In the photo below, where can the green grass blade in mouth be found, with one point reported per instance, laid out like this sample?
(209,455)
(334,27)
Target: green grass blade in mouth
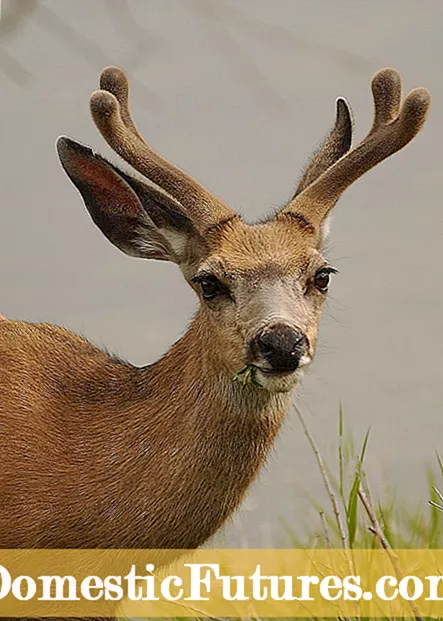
(245,375)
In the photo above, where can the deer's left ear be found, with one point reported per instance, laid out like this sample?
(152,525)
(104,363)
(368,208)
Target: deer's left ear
(336,144)
(140,219)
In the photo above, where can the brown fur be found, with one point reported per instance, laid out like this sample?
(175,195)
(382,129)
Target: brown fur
(116,456)
(97,453)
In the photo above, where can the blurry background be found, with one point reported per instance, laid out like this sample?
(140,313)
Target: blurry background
(239,94)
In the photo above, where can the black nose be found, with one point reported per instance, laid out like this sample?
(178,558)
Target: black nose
(281,347)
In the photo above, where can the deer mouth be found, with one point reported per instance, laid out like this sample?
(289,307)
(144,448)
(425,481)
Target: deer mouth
(276,372)
(276,380)
(251,373)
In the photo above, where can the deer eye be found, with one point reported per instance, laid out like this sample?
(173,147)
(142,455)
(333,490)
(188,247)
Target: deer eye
(323,277)
(210,286)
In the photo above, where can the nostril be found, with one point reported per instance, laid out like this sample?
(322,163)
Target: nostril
(301,342)
(266,342)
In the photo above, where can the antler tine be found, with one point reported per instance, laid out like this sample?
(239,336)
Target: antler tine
(393,128)
(115,81)
(110,111)
(386,91)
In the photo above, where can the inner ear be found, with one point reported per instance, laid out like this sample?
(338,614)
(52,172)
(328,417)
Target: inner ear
(325,229)
(163,209)
(171,220)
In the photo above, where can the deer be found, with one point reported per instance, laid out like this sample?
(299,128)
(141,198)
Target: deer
(98,453)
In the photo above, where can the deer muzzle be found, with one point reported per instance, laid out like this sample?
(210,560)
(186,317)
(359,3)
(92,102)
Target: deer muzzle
(279,349)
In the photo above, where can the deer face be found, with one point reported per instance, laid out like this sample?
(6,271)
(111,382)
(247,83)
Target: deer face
(261,290)
(261,287)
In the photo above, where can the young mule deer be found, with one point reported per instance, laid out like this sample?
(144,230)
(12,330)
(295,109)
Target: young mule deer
(98,453)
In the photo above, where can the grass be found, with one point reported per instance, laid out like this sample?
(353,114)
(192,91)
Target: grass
(353,519)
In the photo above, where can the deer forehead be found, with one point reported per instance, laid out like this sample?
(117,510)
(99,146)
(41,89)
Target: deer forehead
(269,249)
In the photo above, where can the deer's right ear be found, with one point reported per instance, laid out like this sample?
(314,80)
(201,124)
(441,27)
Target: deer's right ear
(140,219)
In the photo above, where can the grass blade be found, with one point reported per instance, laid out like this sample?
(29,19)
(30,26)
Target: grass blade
(340,452)
(351,511)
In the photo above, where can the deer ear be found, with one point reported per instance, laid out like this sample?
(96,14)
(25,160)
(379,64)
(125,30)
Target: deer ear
(140,219)
(334,146)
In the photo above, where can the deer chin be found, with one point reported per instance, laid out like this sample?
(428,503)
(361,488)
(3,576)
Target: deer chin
(277,382)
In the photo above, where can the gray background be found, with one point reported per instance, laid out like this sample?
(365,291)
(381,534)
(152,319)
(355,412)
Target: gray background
(239,93)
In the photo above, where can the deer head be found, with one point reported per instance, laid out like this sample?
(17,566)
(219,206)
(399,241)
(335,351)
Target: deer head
(261,286)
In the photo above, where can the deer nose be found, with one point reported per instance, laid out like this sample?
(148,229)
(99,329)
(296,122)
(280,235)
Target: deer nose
(282,347)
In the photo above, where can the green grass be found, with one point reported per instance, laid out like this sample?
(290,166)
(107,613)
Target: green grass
(353,518)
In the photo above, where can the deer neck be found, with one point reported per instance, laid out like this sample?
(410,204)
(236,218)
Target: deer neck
(215,434)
